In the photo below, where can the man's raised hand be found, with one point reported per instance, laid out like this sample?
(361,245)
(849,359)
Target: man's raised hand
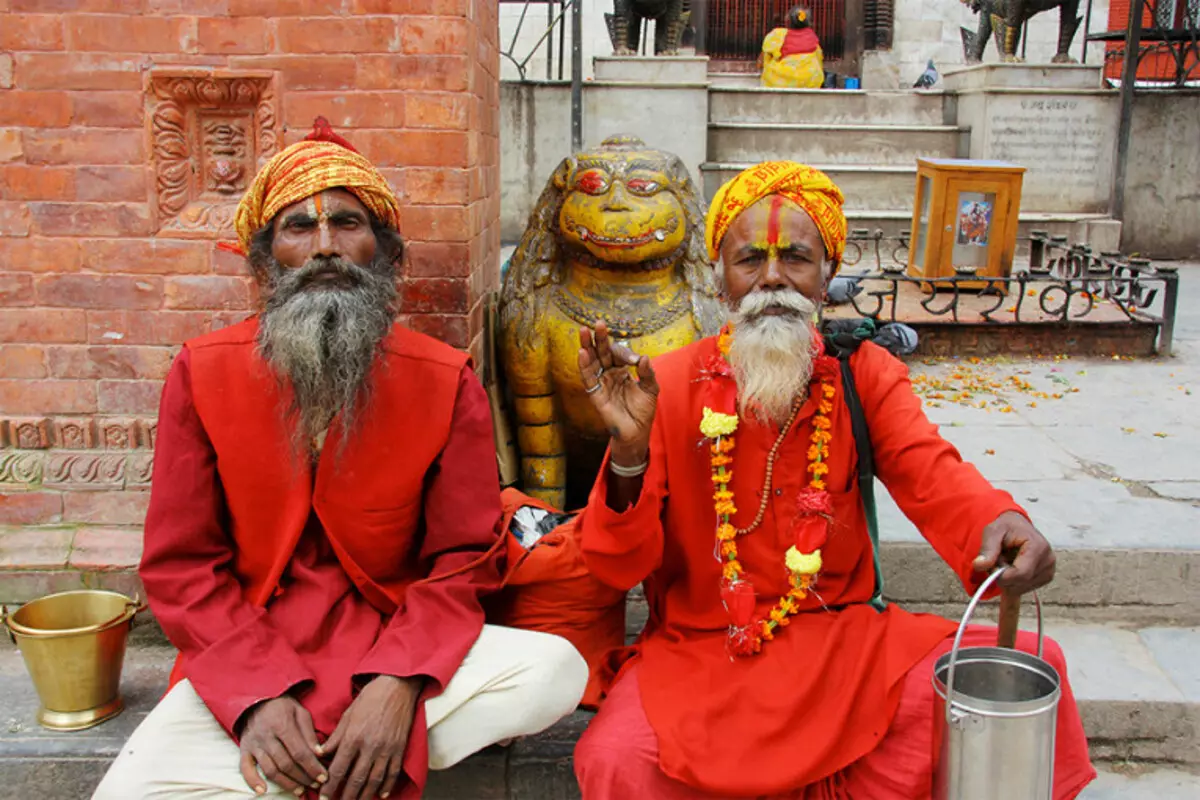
(625,405)
(279,739)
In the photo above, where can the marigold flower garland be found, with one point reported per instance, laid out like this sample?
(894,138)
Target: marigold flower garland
(813,507)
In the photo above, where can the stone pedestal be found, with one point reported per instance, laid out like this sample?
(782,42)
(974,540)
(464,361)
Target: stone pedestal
(1054,120)
(652,69)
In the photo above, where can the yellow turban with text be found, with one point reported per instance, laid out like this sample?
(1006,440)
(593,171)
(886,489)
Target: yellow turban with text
(808,188)
(323,160)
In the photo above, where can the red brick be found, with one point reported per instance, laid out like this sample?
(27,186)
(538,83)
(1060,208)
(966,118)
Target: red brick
(34,548)
(210,7)
(39,255)
(108,109)
(111,183)
(207,292)
(25,396)
(309,72)
(437,259)
(6,70)
(223,319)
(414,148)
(442,111)
(337,35)
(435,223)
(125,34)
(42,325)
(14,219)
(146,327)
(346,110)
(436,187)
(129,397)
(145,256)
(35,109)
(94,6)
(234,35)
(85,146)
(434,35)
(16,289)
(106,548)
(429,73)
(24,182)
(450,329)
(287,8)
(444,8)
(91,219)
(227,263)
(133,363)
(434,295)
(31,32)
(22,361)
(100,291)
(80,71)
(106,508)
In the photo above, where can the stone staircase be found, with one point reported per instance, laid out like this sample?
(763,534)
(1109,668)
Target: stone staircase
(868,142)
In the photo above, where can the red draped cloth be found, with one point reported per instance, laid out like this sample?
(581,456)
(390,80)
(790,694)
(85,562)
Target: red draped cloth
(826,690)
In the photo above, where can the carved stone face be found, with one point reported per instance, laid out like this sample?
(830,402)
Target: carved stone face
(620,206)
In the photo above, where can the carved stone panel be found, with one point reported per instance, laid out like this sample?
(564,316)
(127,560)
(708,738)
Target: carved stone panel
(211,132)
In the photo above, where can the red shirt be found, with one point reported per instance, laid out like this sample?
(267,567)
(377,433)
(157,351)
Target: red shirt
(319,633)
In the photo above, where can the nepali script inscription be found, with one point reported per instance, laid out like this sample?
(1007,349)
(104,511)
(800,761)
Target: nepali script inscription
(1064,144)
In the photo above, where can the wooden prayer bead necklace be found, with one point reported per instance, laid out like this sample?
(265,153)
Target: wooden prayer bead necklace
(771,456)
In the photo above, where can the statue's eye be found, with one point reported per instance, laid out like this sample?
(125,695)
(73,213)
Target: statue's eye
(591,183)
(642,186)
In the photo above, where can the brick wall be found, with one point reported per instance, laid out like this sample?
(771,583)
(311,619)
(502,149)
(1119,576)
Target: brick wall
(117,175)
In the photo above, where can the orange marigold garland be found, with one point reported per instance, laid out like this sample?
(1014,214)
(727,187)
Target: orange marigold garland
(813,509)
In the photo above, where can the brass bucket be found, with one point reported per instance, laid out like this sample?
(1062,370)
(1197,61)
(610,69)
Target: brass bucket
(73,644)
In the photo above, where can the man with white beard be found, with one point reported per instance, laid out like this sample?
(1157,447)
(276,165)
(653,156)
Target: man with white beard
(769,666)
(322,525)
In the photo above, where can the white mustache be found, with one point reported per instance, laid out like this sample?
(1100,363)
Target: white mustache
(756,302)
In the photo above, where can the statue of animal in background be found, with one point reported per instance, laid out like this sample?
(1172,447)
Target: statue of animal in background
(1005,18)
(625,25)
(617,235)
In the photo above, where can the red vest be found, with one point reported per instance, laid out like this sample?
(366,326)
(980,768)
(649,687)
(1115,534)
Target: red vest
(368,497)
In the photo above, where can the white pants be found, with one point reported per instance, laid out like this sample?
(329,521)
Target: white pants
(512,683)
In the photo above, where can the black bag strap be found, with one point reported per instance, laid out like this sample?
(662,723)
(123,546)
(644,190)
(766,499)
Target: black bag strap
(842,339)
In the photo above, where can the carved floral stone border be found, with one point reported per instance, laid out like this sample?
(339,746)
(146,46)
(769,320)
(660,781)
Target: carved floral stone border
(179,100)
(76,453)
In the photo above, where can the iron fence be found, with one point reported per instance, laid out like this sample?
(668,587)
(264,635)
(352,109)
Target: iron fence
(736,28)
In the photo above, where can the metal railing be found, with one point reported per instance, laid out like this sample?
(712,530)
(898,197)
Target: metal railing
(1166,43)
(556,22)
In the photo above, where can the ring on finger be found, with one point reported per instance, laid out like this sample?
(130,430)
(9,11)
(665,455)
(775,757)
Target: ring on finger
(594,387)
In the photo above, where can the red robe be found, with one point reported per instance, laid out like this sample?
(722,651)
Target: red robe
(823,692)
(332,612)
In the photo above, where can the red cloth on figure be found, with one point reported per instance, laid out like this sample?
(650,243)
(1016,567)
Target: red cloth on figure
(618,754)
(822,694)
(320,622)
(799,42)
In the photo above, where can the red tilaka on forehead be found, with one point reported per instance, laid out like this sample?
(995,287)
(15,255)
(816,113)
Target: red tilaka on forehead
(773,220)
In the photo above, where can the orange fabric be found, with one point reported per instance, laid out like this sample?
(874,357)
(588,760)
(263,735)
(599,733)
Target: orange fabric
(822,693)
(617,758)
(369,500)
(549,589)
(306,168)
(808,188)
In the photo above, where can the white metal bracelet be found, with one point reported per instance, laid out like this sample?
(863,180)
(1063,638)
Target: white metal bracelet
(627,472)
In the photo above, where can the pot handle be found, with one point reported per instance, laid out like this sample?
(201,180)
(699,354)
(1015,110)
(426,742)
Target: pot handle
(962,628)
(4,621)
(138,605)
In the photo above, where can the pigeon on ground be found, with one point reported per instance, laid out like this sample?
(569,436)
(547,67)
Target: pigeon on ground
(928,78)
(843,288)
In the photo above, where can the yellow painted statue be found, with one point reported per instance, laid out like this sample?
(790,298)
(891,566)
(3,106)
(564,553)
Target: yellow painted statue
(617,235)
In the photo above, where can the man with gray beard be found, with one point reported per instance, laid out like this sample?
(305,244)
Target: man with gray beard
(323,525)
(770,667)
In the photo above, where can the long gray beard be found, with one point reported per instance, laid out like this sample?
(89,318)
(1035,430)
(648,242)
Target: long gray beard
(321,340)
(772,356)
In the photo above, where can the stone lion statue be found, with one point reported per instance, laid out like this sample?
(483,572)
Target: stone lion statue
(617,235)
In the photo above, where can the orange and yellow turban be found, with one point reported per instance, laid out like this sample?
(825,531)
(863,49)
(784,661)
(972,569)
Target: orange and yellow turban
(808,188)
(321,161)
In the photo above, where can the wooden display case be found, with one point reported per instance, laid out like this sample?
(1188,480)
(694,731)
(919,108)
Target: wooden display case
(965,215)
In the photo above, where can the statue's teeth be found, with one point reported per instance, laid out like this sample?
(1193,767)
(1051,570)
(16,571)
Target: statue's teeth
(659,235)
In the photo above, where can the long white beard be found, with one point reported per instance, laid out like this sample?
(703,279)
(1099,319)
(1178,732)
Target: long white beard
(772,355)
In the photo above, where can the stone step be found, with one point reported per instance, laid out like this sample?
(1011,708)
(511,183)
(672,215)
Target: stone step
(840,106)
(892,145)
(866,186)
(1138,692)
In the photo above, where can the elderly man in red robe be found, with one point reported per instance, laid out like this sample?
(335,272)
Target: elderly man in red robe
(322,525)
(765,669)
